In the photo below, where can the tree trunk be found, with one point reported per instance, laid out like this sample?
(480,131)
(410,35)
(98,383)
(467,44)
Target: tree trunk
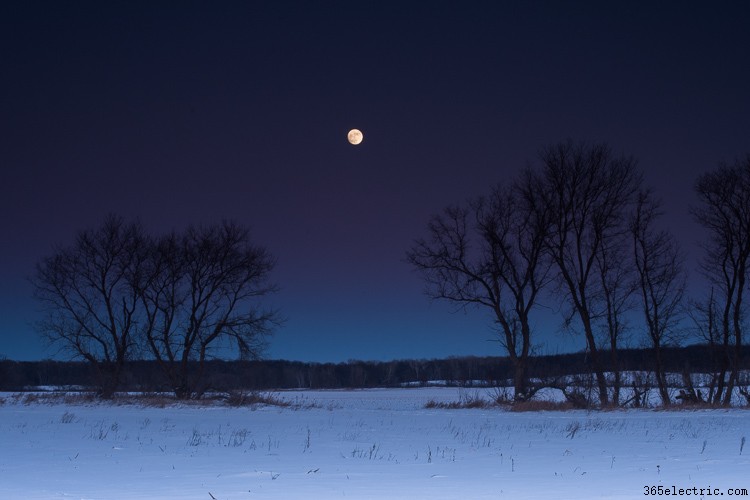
(108,373)
(601,380)
(520,379)
(661,380)
(617,382)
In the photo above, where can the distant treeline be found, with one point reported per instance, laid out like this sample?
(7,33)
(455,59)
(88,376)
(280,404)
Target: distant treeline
(279,374)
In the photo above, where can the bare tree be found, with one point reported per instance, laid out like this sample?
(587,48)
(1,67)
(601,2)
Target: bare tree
(724,210)
(614,272)
(489,254)
(661,281)
(587,191)
(703,314)
(91,308)
(201,297)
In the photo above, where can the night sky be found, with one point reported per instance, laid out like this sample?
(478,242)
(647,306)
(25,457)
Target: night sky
(191,112)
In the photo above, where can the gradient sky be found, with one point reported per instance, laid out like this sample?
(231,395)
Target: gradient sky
(190,112)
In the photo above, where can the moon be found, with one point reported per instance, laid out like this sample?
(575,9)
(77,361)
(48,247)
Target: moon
(354,136)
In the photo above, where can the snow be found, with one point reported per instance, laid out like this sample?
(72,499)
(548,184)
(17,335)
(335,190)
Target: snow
(378,443)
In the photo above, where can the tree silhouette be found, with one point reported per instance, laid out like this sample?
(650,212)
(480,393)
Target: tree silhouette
(586,191)
(200,295)
(91,307)
(661,282)
(488,253)
(724,210)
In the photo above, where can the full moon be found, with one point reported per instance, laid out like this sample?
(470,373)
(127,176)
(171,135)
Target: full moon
(355,136)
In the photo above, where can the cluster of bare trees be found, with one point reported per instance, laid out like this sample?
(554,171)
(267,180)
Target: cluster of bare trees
(579,229)
(582,228)
(118,293)
(724,211)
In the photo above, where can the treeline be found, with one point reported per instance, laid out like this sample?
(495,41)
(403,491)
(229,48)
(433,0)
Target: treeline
(146,376)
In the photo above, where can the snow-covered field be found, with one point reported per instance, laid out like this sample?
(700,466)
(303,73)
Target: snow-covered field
(365,444)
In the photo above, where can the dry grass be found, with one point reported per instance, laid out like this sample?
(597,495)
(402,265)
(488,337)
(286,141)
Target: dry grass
(541,405)
(520,406)
(254,398)
(457,405)
(50,398)
(157,400)
(473,401)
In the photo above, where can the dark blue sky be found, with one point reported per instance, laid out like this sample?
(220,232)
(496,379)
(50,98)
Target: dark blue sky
(190,112)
